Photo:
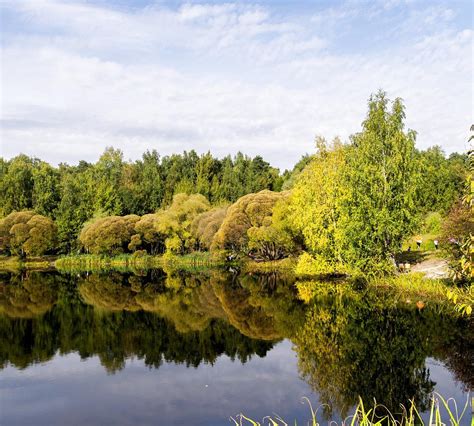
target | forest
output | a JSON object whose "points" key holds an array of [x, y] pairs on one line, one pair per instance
{"points": [[347, 206]]}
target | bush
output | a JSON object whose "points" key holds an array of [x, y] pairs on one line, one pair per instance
{"points": [[432, 223]]}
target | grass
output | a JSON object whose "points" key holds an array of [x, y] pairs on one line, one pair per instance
{"points": [[414, 288], [9, 263], [14, 263], [86, 262], [413, 285], [427, 242], [283, 265], [441, 413]]}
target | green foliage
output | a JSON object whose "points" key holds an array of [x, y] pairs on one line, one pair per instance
{"points": [[176, 221], [378, 415], [458, 232], [350, 205], [72, 195], [75, 207], [354, 204], [108, 235], [309, 265], [315, 206], [379, 210], [249, 227], [147, 235], [432, 223], [206, 225], [16, 184], [458, 241], [441, 179], [45, 195], [27, 233]]}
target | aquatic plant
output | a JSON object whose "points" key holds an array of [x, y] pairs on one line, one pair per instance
{"points": [[441, 412]]}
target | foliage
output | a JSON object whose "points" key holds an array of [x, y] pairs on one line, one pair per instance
{"points": [[249, 227], [378, 415], [176, 221], [432, 223], [72, 195], [379, 211], [147, 235], [27, 233], [458, 229], [355, 204], [350, 205], [314, 209], [206, 225], [463, 301], [108, 235], [315, 265], [440, 181]]}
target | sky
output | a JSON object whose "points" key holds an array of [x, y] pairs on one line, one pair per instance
{"points": [[263, 78]]}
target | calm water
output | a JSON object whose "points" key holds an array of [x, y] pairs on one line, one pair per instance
{"points": [[171, 349]]}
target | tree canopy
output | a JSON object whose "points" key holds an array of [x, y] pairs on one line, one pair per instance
{"points": [[248, 225], [27, 233]]}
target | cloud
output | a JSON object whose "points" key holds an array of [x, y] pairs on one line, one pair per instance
{"points": [[77, 77]]}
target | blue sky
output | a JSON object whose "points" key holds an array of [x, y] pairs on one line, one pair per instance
{"points": [[263, 78]]}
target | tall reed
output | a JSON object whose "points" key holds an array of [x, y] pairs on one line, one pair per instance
{"points": [[442, 412]]}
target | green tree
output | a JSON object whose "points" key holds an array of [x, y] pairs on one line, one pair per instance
{"points": [[206, 225], [108, 235], [315, 205], [26, 233], [45, 195], [107, 175], [248, 225], [176, 221], [379, 212], [441, 180], [148, 235], [76, 205], [16, 184]]}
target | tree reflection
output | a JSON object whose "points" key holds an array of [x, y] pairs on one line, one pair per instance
{"points": [[349, 342], [357, 344]]}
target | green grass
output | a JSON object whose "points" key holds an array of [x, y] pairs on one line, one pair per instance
{"points": [[413, 285], [14, 263], [442, 412], [414, 288], [87, 262], [283, 265], [426, 245]]}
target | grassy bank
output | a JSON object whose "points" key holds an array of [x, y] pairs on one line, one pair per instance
{"points": [[129, 261], [13, 263], [284, 265]]}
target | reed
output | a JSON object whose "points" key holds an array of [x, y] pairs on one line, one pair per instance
{"points": [[87, 262], [442, 412]]}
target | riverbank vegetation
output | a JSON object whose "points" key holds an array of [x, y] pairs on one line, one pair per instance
{"points": [[441, 413], [349, 208]]}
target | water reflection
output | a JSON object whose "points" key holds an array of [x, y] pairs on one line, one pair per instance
{"points": [[348, 342]]}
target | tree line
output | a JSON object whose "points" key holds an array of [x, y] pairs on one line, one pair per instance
{"points": [[349, 205], [72, 195]]}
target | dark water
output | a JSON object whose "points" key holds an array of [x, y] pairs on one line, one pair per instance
{"points": [[178, 348]]}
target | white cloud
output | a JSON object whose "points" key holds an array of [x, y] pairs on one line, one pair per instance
{"points": [[78, 77]]}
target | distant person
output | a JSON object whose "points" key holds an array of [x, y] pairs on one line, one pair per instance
{"points": [[436, 242], [418, 243], [409, 249]]}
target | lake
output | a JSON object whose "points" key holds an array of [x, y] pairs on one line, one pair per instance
{"points": [[172, 348]]}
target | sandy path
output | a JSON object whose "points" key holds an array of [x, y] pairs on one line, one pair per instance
{"points": [[432, 268]]}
